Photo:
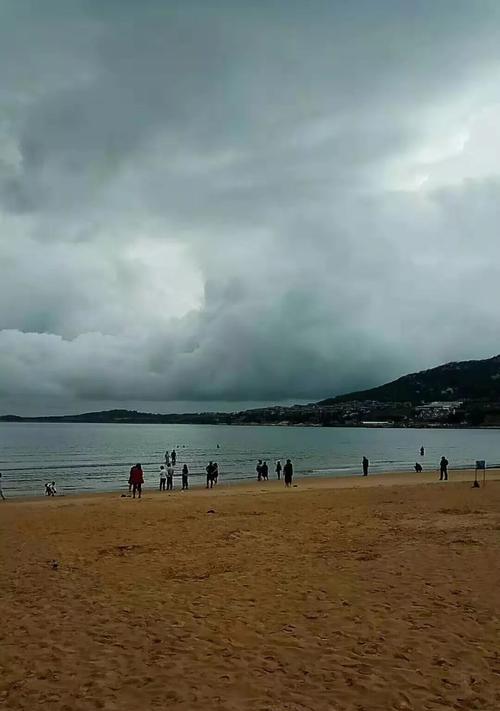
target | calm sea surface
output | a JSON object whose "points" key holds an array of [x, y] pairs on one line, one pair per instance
{"points": [[89, 457]]}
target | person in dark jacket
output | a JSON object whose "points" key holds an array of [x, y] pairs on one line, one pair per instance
{"points": [[258, 469], [265, 471], [366, 464], [210, 475], [443, 468], [278, 469], [185, 475], [288, 472]]}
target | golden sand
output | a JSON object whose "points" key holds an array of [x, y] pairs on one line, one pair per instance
{"points": [[362, 595]]}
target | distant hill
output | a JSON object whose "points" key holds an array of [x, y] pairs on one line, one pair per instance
{"points": [[462, 380], [127, 417], [475, 382]]}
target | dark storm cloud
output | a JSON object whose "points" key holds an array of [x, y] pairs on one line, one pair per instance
{"points": [[211, 201]]}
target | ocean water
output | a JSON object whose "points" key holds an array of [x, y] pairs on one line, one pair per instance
{"points": [[90, 457]]}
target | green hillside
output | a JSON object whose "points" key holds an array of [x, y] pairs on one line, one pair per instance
{"points": [[463, 380]]}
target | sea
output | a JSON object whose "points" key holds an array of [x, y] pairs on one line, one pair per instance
{"points": [[97, 457]]}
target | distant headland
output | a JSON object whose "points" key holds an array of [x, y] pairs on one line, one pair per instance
{"points": [[464, 393]]}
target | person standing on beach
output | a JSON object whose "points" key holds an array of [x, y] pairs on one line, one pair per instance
{"points": [[137, 480], [210, 473], [215, 472], [366, 464], [167, 457], [163, 478], [288, 473], [173, 457], [1, 492], [443, 468], [265, 471], [278, 469], [258, 469], [170, 477], [185, 475]]}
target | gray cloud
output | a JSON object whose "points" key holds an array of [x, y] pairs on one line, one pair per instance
{"points": [[234, 203]]}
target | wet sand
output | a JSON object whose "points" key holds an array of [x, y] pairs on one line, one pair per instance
{"points": [[341, 594]]}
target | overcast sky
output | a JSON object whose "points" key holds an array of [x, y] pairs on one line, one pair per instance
{"points": [[207, 204]]}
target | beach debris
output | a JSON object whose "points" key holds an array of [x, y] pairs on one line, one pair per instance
{"points": [[211, 511], [54, 564]]}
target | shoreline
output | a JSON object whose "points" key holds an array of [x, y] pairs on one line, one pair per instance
{"points": [[301, 483], [364, 426]]}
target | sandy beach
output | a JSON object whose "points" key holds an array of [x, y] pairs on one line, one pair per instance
{"points": [[338, 594]]}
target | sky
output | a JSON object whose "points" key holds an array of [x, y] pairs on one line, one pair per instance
{"points": [[211, 204]]}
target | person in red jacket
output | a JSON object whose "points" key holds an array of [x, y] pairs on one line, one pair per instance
{"points": [[136, 479]]}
